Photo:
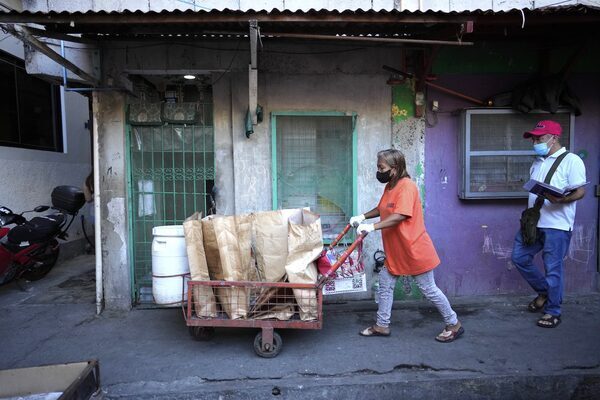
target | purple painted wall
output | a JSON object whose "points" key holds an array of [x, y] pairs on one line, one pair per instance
{"points": [[474, 238]]}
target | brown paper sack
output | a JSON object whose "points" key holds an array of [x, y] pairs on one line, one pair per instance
{"points": [[271, 242], [227, 243], [305, 243], [204, 299]]}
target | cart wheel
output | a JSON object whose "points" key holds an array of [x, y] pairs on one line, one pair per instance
{"points": [[268, 353], [201, 333]]}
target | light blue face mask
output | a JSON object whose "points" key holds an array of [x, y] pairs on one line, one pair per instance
{"points": [[541, 149]]}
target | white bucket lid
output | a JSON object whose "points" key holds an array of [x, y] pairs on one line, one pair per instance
{"points": [[168, 230]]}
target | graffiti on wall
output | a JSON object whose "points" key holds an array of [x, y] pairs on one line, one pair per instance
{"points": [[581, 249], [496, 248]]}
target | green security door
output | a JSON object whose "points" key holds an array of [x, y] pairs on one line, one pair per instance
{"points": [[171, 170]]}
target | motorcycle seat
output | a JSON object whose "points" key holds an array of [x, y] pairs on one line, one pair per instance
{"points": [[36, 230]]}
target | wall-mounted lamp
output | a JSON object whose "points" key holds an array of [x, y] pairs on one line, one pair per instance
{"points": [[190, 77]]}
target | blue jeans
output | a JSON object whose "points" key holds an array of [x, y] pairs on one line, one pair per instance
{"points": [[555, 244]]}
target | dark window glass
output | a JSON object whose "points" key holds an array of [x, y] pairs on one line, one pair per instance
{"points": [[9, 125], [30, 113]]}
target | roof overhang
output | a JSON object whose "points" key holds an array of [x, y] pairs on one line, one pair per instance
{"points": [[431, 25]]}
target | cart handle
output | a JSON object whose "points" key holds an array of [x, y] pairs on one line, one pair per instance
{"points": [[339, 237], [343, 257]]}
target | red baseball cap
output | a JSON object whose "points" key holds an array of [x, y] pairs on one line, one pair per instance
{"points": [[546, 127]]}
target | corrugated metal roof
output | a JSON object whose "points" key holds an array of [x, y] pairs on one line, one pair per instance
{"points": [[298, 5], [394, 23], [564, 9]]}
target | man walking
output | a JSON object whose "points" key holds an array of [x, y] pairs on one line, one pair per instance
{"points": [[557, 215]]}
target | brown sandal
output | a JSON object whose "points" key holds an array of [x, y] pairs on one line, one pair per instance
{"points": [[375, 331], [448, 335], [538, 303]]}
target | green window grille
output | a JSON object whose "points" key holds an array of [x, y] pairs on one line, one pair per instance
{"points": [[171, 176], [314, 164]]}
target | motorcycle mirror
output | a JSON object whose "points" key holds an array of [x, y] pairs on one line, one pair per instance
{"points": [[41, 208], [7, 219]]}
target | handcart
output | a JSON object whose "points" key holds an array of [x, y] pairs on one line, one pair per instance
{"points": [[273, 305]]}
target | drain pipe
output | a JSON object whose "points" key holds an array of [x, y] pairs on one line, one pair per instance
{"points": [[97, 219], [97, 211]]}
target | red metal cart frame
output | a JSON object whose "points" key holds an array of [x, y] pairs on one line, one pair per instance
{"points": [[267, 342]]}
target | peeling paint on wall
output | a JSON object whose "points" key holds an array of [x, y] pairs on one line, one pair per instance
{"points": [[420, 181], [408, 136], [403, 103], [116, 216]]}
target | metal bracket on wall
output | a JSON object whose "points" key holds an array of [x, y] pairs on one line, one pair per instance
{"points": [[22, 33], [253, 72]]}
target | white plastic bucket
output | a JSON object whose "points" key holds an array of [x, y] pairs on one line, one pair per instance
{"points": [[169, 264]]}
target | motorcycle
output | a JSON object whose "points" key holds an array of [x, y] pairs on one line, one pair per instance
{"points": [[30, 249]]}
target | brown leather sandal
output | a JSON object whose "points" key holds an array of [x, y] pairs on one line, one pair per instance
{"points": [[375, 330], [448, 335]]}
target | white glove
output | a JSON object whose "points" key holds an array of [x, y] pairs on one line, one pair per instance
{"points": [[356, 220], [365, 228]]}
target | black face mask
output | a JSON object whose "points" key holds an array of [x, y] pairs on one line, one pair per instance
{"points": [[384, 177]]}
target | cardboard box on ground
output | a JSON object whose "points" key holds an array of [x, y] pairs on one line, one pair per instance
{"points": [[270, 246]]}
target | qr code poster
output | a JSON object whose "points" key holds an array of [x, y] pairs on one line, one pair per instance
{"points": [[351, 284]]}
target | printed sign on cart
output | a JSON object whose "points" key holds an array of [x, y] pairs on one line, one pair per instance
{"points": [[352, 284]]}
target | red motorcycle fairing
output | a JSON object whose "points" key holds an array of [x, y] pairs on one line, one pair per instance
{"points": [[24, 256], [6, 256], [6, 259]]}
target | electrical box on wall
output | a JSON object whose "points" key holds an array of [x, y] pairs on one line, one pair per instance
{"points": [[494, 158]]}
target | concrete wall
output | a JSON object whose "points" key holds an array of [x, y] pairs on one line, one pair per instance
{"points": [[475, 256], [291, 77], [29, 176], [109, 120]]}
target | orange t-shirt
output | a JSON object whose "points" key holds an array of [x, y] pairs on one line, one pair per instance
{"points": [[408, 247]]}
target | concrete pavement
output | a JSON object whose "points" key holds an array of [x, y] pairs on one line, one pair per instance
{"points": [[148, 353]]}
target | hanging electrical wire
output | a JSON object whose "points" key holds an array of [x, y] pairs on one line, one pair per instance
{"points": [[230, 63]]}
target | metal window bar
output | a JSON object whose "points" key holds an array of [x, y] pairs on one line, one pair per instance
{"points": [[496, 159], [160, 158], [314, 167]]}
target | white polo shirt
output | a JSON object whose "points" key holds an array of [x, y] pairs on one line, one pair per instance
{"points": [[571, 171]]}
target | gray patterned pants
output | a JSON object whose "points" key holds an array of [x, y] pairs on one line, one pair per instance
{"points": [[426, 283]]}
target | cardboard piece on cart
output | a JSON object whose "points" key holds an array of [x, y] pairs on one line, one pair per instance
{"points": [[227, 242], [203, 296], [305, 243], [271, 242], [282, 312], [273, 302]]}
